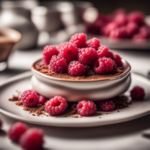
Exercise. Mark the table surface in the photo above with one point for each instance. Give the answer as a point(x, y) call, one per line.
point(121, 136)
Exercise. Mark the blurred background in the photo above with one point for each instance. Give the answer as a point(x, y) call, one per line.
point(52, 22)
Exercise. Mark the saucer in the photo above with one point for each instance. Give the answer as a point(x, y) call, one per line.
point(22, 82)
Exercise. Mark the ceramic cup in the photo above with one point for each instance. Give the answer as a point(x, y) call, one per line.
point(78, 90)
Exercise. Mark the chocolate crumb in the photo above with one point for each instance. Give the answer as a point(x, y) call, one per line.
point(75, 116)
point(118, 111)
point(19, 103)
point(71, 112)
point(121, 102)
point(99, 117)
point(108, 113)
point(14, 98)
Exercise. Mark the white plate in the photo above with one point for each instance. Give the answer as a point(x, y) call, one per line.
point(22, 82)
point(121, 43)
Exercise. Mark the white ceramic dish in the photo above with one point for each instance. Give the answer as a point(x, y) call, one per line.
point(121, 43)
point(22, 82)
point(81, 89)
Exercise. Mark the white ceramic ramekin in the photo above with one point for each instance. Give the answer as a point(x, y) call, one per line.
point(78, 90)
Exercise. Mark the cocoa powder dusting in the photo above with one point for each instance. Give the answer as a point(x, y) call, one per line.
point(120, 102)
point(39, 110)
point(19, 103)
point(13, 98)
point(90, 75)
point(71, 112)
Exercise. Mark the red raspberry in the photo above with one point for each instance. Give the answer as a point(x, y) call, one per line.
point(61, 45)
point(106, 105)
point(86, 108)
point(109, 27)
point(1, 123)
point(139, 38)
point(48, 52)
point(104, 65)
point(32, 139)
point(75, 68)
point(131, 29)
point(137, 17)
point(29, 98)
point(58, 64)
point(87, 56)
point(137, 93)
point(93, 43)
point(56, 106)
point(103, 51)
point(145, 32)
point(16, 131)
point(118, 60)
point(118, 33)
point(121, 19)
point(79, 40)
point(42, 100)
point(68, 51)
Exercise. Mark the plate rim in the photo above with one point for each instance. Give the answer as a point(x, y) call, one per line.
point(65, 124)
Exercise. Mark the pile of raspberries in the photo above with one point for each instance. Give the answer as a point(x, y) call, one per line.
point(121, 25)
point(78, 55)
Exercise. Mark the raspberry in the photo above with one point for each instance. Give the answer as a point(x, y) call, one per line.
point(42, 100)
point(137, 93)
point(61, 45)
point(58, 64)
point(104, 65)
point(86, 108)
point(139, 38)
point(87, 56)
point(131, 29)
point(120, 19)
point(48, 52)
point(56, 106)
point(29, 98)
point(79, 40)
point(137, 17)
point(75, 68)
point(93, 43)
point(118, 33)
point(32, 139)
point(106, 105)
point(145, 32)
point(118, 60)
point(1, 123)
point(109, 27)
point(103, 51)
point(16, 130)
point(68, 51)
